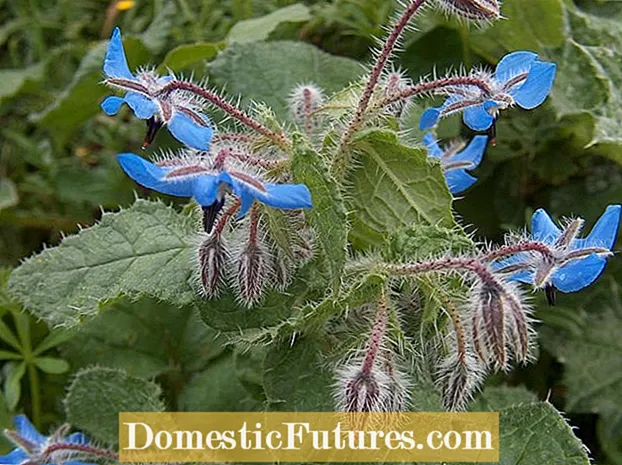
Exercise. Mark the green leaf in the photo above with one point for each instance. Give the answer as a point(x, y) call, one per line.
point(14, 80)
point(609, 429)
point(495, 398)
point(257, 29)
point(537, 434)
point(6, 355)
point(532, 26)
point(124, 254)
point(217, 389)
point(295, 378)
point(268, 71)
point(595, 336)
point(97, 395)
point(53, 366)
point(328, 215)
point(81, 98)
point(54, 338)
point(188, 55)
point(146, 338)
point(13, 383)
point(7, 335)
point(8, 194)
point(393, 186)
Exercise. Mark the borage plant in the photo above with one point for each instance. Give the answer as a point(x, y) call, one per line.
point(321, 254)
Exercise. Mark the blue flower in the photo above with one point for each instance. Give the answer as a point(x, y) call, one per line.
point(179, 111)
point(34, 448)
point(193, 177)
point(456, 162)
point(572, 263)
point(519, 79)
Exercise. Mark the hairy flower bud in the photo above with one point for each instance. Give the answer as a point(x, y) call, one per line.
point(482, 10)
point(212, 257)
point(395, 83)
point(303, 101)
point(500, 324)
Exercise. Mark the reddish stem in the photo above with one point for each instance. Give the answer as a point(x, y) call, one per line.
point(279, 139)
point(83, 448)
point(254, 227)
point(527, 246)
point(375, 340)
point(471, 265)
point(374, 77)
point(226, 216)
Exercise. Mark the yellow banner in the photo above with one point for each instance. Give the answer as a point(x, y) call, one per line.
point(308, 437)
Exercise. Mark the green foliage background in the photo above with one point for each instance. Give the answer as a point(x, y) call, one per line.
point(57, 173)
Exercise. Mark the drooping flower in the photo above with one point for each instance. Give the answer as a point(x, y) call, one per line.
point(179, 111)
point(572, 263)
point(519, 79)
point(36, 449)
point(456, 160)
point(208, 182)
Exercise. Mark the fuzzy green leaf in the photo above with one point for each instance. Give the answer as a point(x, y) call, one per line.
point(393, 186)
point(125, 253)
point(328, 215)
point(97, 395)
point(146, 338)
point(268, 71)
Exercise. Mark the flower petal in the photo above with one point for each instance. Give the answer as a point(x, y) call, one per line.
point(514, 63)
point(537, 86)
point(474, 152)
point(76, 438)
point(111, 105)
point(543, 228)
point(429, 118)
point(187, 131)
point(579, 274)
point(151, 176)
point(605, 231)
point(434, 150)
point(15, 457)
point(115, 63)
point(27, 430)
point(206, 189)
point(459, 180)
point(478, 117)
point(286, 196)
point(143, 107)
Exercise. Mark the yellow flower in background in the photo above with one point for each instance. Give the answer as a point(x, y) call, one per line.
point(124, 5)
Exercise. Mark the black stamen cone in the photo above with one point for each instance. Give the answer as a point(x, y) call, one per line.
point(551, 294)
point(210, 214)
point(153, 126)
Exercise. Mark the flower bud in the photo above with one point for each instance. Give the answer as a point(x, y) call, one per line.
point(212, 257)
point(253, 268)
point(303, 101)
point(482, 10)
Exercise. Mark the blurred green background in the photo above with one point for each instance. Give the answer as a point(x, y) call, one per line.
point(57, 166)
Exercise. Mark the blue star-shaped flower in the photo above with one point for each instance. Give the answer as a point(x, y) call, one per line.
point(208, 185)
point(456, 162)
point(573, 263)
point(34, 448)
point(519, 79)
point(177, 110)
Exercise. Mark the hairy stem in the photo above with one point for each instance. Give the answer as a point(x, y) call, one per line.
point(377, 335)
point(526, 246)
point(374, 77)
point(80, 448)
point(279, 139)
point(469, 265)
point(226, 216)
